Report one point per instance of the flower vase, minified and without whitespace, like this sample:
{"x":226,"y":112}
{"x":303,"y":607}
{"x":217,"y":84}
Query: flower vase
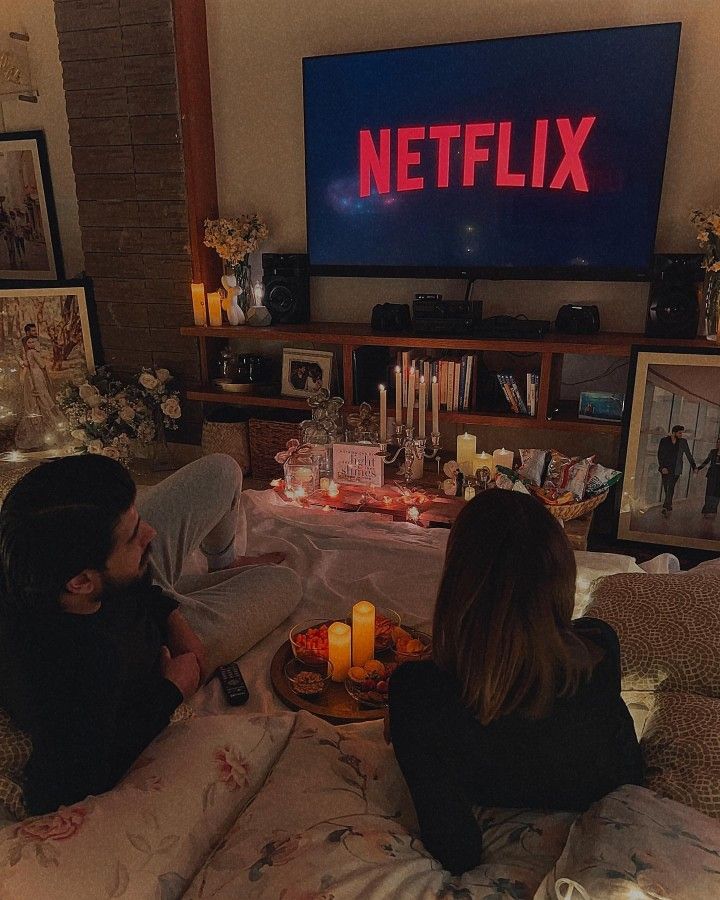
{"x":711,"y":305}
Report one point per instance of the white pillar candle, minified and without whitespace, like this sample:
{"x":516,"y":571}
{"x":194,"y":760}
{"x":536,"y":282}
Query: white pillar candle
{"x":398,"y":395}
{"x":411,"y":398}
{"x":363,"y":632}
{"x":422,"y":396}
{"x":332,"y":489}
{"x":466,"y":445}
{"x":503,"y":457}
{"x":214,"y":310}
{"x":198,"y":301}
{"x":434,"y":395}
{"x":383,"y":414}
{"x":483,"y":460}
{"x":339,"y":649}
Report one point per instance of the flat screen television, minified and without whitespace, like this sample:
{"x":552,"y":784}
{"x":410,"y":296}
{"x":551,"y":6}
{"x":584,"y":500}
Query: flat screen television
{"x":525,"y":157}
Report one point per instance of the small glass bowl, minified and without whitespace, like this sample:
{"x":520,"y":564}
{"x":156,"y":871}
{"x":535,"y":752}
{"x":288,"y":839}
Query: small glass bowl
{"x":314,"y":656}
{"x":307,"y":682}
{"x":366,"y":698}
{"x":383,"y":640}
{"x":418,"y":653}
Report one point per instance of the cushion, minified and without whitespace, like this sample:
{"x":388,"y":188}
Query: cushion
{"x":681,"y":747}
{"x":669,"y":629}
{"x":335,"y":819}
{"x":635,"y":845}
{"x":15,"y":750}
{"x":148,"y":836}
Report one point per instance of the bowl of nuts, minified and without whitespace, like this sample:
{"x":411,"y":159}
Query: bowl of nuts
{"x":307,"y":681}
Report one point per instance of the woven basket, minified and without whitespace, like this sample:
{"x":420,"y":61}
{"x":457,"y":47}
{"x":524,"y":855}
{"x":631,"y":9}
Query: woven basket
{"x":267,"y":439}
{"x":228,"y":437}
{"x":568,"y":511}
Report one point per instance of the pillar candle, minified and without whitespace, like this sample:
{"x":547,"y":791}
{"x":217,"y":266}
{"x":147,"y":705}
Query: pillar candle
{"x":411,"y":398}
{"x":214,"y":310}
{"x":421,"y":407}
{"x":483,"y":460}
{"x":503,"y":457}
{"x":383,"y":414}
{"x":339,"y":649}
{"x":198,"y":302}
{"x":466,"y":444}
{"x":398,"y":395}
{"x":363,"y":632}
{"x":434,"y":394}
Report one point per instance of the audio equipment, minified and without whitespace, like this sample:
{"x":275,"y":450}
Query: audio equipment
{"x":390,"y":317}
{"x":432,"y":315}
{"x":576,"y":319}
{"x":513,"y":328}
{"x":287,"y":287}
{"x":674,"y":299}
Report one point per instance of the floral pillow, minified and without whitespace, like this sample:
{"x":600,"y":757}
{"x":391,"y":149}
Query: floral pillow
{"x":148,"y":836}
{"x":634,"y":845}
{"x":335,"y":820}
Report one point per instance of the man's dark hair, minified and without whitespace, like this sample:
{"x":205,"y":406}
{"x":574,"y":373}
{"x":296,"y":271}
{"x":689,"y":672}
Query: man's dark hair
{"x":677,"y":428}
{"x":56,"y":521}
{"x":28,"y":327}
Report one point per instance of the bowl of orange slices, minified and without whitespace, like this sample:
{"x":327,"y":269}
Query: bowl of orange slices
{"x":411,"y":644}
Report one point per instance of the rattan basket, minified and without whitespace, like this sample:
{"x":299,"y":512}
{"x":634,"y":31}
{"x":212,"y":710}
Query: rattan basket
{"x":568,"y":511}
{"x":266,"y":439}
{"x":228,"y":437}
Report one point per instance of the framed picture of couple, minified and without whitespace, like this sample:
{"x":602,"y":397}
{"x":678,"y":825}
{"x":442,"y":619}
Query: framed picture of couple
{"x":671,"y":486}
{"x":305,"y":371}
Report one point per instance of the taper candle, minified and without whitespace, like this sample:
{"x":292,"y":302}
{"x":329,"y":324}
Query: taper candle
{"x":422,"y":396}
{"x":434,"y":395}
{"x":398,"y":395}
{"x":466,"y":445}
{"x":339,"y":649}
{"x":214,"y":310}
{"x":383,"y":414}
{"x":363,"y":632}
{"x":411,"y":398}
{"x":198,"y":301}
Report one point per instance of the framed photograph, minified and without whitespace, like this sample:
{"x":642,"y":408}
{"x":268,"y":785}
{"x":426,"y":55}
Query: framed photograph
{"x":358,"y":464}
{"x":601,"y":406}
{"x":45,"y":342}
{"x":671,"y":442}
{"x":29,"y":237}
{"x":305,"y":371}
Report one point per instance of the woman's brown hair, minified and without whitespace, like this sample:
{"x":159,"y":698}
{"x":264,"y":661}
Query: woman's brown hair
{"x":504,"y":607}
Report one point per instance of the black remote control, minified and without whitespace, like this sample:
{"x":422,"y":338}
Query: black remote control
{"x":233,"y":684}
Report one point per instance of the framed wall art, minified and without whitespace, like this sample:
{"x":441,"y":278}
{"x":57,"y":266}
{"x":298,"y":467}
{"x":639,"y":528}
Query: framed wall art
{"x":45,"y":343}
{"x":29,"y":237}
{"x":305,"y":371}
{"x":671,"y":443}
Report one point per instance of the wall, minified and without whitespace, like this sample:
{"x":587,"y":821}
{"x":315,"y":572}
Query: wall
{"x":256,"y":47}
{"x":37,"y":18}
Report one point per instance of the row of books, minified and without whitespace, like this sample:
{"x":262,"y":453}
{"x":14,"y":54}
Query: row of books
{"x":523,"y":406}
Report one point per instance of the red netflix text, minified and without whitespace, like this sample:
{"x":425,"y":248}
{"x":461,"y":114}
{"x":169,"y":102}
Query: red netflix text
{"x":480,"y":140}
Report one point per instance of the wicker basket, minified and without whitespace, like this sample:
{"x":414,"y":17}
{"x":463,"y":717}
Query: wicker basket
{"x":228,"y":437}
{"x":267,"y":439}
{"x":568,"y":511}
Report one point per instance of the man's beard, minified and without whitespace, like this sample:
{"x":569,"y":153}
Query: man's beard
{"x":114,"y":589}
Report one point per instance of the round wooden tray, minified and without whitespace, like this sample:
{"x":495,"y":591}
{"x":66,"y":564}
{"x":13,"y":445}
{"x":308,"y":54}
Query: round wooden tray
{"x":334,"y":705}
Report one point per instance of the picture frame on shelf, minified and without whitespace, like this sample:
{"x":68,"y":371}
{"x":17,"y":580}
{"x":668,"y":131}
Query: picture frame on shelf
{"x":46,"y":341}
{"x":671,"y":484}
{"x":601,"y":406}
{"x":304,"y":372}
{"x":29,"y":235}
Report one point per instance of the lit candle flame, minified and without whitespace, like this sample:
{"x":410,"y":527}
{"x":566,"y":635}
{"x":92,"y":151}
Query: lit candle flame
{"x":413,"y":514}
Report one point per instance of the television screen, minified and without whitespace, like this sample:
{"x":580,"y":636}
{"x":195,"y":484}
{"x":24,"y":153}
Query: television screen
{"x":537,"y":156}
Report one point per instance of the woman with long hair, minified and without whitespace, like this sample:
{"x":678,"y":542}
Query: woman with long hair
{"x":520,"y":706}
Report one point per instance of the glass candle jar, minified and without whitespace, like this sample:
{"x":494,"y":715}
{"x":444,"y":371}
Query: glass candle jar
{"x":301,"y":477}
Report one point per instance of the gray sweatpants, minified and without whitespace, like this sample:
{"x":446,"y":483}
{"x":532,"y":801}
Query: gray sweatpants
{"x":230,"y":610}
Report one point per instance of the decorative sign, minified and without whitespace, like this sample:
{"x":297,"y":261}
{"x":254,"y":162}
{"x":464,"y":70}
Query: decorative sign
{"x":358,"y":464}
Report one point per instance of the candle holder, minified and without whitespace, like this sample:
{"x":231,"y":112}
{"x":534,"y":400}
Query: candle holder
{"x":415,"y":449}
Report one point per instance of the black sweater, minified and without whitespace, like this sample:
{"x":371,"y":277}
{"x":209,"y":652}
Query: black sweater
{"x":88,"y":690}
{"x":585,"y":748}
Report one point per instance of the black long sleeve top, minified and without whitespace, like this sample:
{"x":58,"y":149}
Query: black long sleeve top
{"x":582,"y":750}
{"x":87,"y":689}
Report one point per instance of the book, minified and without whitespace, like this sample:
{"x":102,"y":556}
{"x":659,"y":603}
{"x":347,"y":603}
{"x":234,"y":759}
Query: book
{"x":468,"y":379}
{"x":461,"y":384}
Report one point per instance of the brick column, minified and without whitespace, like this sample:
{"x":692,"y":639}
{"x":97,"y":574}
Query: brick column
{"x":118,"y":59}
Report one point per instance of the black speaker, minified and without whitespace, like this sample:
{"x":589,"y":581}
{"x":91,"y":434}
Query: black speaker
{"x":674,"y":303}
{"x":287,"y":287}
{"x":573,"y":318}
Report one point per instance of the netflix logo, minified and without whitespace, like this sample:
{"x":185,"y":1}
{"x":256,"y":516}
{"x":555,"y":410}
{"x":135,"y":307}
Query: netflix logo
{"x":481,"y":143}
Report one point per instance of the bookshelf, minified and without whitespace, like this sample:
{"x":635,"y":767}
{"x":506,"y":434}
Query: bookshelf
{"x":550,"y":351}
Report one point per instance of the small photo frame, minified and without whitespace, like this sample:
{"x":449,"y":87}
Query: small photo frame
{"x":601,"y":406}
{"x":304,"y":372}
{"x":29,"y":236}
{"x":358,"y":464}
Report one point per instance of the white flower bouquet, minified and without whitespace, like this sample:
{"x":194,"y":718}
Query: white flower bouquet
{"x":234,"y":239}
{"x":708,"y":229}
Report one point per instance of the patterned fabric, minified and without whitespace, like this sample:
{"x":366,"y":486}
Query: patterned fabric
{"x":15,"y":750}
{"x":634,"y":845}
{"x":149,"y":835}
{"x":669,"y":629}
{"x":335,"y":820}
{"x":10,"y":473}
{"x":681,"y":747}
{"x":641,"y":705}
